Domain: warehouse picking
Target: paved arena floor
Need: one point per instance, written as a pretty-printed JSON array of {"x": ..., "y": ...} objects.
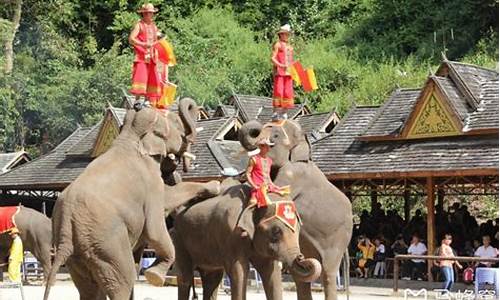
[{"x": 66, "y": 290}]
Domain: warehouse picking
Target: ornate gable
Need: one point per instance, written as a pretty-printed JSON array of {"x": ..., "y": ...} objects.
[
  {"x": 432, "y": 116},
  {"x": 107, "y": 134}
]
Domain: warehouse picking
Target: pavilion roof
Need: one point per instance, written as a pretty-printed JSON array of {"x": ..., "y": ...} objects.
[
  {"x": 452, "y": 105},
  {"x": 457, "y": 133},
  {"x": 11, "y": 160},
  {"x": 54, "y": 170}
]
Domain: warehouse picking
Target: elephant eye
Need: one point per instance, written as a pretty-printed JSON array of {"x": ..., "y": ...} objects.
[{"x": 276, "y": 234}]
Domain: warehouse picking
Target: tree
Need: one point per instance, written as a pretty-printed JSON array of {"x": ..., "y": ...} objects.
[{"x": 11, "y": 34}]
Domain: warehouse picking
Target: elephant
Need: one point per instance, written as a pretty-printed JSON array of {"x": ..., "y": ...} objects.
[
  {"x": 326, "y": 212},
  {"x": 224, "y": 234},
  {"x": 118, "y": 203},
  {"x": 36, "y": 233}
]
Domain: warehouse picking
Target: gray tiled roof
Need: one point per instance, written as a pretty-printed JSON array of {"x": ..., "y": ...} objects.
[
  {"x": 119, "y": 114},
  {"x": 8, "y": 160},
  {"x": 224, "y": 110},
  {"x": 53, "y": 169},
  {"x": 392, "y": 116},
  {"x": 250, "y": 106},
  {"x": 265, "y": 113},
  {"x": 473, "y": 76},
  {"x": 457, "y": 99},
  {"x": 486, "y": 115},
  {"x": 206, "y": 164},
  {"x": 85, "y": 146},
  {"x": 340, "y": 153},
  {"x": 313, "y": 122}
]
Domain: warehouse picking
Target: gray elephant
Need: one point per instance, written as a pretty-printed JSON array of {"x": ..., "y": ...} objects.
[
  {"x": 223, "y": 234},
  {"x": 326, "y": 212},
  {"x": 36, "y": 233},
  {"x": 118, "y": 204}
]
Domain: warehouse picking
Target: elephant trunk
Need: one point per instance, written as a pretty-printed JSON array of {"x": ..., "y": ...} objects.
[
  {"x": 188, "y": 112},
  {"x": 305, "y": 269},
  {"x": 249, "y": 133}
]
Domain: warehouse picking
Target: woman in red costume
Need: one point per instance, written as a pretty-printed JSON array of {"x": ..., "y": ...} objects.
[
  {"x": 146, "y": 81},
  {"x": 259, "y": 176},
  {"x": 282, "y": 59}
]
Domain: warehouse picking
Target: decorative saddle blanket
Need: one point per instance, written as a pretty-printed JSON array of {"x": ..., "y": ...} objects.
[{"x": 7, "y": 214}]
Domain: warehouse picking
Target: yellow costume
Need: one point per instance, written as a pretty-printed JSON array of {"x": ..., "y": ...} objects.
[{"x": 15, "y": 259}]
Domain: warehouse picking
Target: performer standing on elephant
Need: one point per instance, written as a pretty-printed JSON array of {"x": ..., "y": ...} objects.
[
  {"x": 259, "y": 176},
  {"x": 146, "y": 81},
  {"x": 15, "y": 256},
  {"x": 282, "y": 59}
]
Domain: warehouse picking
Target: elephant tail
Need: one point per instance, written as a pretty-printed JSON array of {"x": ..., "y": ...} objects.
[
  {"x": 346, "y": 273},
  {"x": 62, "y": 230}
]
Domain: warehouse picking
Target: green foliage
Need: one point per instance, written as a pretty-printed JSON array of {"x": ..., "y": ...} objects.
[
  {"x": 217, "y": 56},
  {"x": 72, "y": 56}
]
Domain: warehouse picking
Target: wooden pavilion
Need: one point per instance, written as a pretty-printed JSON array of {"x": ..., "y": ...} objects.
[{"x": 439, "y": 140}]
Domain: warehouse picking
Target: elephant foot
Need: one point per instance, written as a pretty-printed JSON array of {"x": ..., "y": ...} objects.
[{"x": 154, "y": 276}]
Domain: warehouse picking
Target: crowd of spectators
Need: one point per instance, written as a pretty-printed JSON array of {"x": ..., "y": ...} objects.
[{"x": 383, "y": 234}]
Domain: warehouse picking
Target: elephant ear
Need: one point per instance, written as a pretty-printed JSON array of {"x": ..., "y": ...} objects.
[
  {"x": 246, "y": 223},
  {"x": 153, "y": 144},
  {"x": 301, "y": 151}
]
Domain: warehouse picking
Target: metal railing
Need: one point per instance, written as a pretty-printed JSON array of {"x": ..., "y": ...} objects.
[{"x": 431, "y": 258}]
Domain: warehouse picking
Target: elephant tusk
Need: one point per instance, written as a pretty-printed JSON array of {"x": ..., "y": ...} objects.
[
  {"x": 171, "y": 156},
  {"x": 189, "y": 155},
  {"x": 253, "y": 152}
]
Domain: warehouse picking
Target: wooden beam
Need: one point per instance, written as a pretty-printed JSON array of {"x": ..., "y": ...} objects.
[
  {"x": 414, "y": 174},
  {"x": 406, "y": 197},
  {"x": 440, "y": 198},
  {"x": 431, "y": 196},
  {"x": 373, "y": 198}
]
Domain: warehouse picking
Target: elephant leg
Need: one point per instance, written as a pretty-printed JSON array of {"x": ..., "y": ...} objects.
[
  {"x": 331, "y": 260},
  {"x": 112, "y": 266},
  {"x": 185, "y": 278},
  {"x": 82, "y": 278},
  {"x": 137, "y": 258},
  {"x": 303, "y": 290},
  {"x": 159, "y": 239},
  {"x": 42, "y": 253},
  {"x": 183, "y": 192},
  {"x": 211, "y": 281},
  {"x": 238, "y": 273},
  {"x": 270, "y": 273}
]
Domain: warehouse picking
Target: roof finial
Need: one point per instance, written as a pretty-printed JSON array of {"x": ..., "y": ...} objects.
[
  {"x": 443, "y": 56},
  {"x": 430, "y": 72}
]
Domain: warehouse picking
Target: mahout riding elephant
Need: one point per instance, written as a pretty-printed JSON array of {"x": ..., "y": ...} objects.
[
  {"x": 118, "y": 204},
  {"x": 224, "y": 234},
  {"x": 326, "y": 212},
  {"x": 35, "y": 230}
]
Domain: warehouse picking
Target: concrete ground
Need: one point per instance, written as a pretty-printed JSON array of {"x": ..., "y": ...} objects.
[
  {"x": 143, "y": 291},
  {"x": 371, "y": 289}
]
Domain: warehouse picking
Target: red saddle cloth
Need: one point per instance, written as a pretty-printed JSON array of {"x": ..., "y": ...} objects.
[{"x": 7, "y": 214}]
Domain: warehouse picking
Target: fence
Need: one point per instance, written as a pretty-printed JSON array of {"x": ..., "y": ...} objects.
[{"x": 431, "y": 258}]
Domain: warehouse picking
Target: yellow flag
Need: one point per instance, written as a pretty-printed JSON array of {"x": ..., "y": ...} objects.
[
  {"x": 312, "y": 78},
  {"x": 295, "y": 75}
]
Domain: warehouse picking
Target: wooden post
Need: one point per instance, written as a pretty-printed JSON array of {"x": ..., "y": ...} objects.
[
  {"x": 374, "y": 198},
  {"x": 395, "y": 274},
  {"x": 406, "y": 197},
  {"x": 440, "y": 197},
  {"x": 430, "y": 223}
]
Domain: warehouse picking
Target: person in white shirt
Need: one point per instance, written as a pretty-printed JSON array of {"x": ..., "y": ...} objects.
[
  {"x": 379, "y": 258},
  {"x": 486, "y": 250},
  {"x": 416, "y": 267}
]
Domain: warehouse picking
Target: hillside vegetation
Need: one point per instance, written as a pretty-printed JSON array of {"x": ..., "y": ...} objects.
[{"x": 71, "y": 58}]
